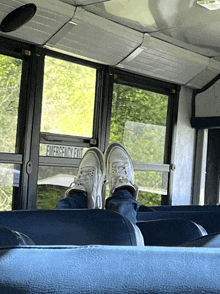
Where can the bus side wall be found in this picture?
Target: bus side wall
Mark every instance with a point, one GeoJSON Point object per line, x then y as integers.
{"type": "Point", "coordinates": [208, 102]}
{"type": "Point", "coordinates": [183, 150]}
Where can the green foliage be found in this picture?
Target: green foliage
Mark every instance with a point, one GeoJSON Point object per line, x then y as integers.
{"type": "Point", "coordinates": [138, 122]}
{"type": "Point", "coordinates": [5, 197]}
{"type": "Point", "coordinates": [48, 196]}
{"type": "Point", "coordinates": [68, 98]}
{"type": "Point", "coordinates": [10, 75]}
{"type": "Point", "coordinates": [149, 199]}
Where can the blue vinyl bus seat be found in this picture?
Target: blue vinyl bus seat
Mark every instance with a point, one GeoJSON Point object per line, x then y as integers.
{"type": "Point", "coordinates": [72, 227]}
{"type": "Point", "coordinates": [89, 227]}
{"type": "Point", "coordinates": [203, 208]}
{"type": "Point", "coordinates": [13, 238]}
{"type": "Point", "coordinates": [209, 220]}
{"type": "Point", "coordinates": [209, 241]}
{"type": "Point", "coordinates": [109, 269]}
{"type": "Point", "coordinates": [170, 232]}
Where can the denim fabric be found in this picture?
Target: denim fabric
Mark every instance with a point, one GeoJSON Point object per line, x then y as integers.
{"type": "Point", "coordinates": [124, 203]}
{"type": "Point", "coordinates": [121, 202]}
{"type": "Point", "coordinates": [74, 201]}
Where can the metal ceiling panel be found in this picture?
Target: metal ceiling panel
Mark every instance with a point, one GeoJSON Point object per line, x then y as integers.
{"type": "Point", "coordinates": [51, 15]}
{"type": "Point", "coordinates": [183, 22]}
{"type": "Point", "coordinates": [97, 39]}
{"type": "Point", "coordinates": [99, 9]}
{"type": "Point", "coordinates": [203, 78]}
{"type": "Point", "coordinates": [83, 2]}
{"type": "Point", "coordinates": [165, 61]}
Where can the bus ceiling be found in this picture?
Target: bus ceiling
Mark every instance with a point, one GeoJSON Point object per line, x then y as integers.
{"type": "Point", "coordinates": [175, 41]}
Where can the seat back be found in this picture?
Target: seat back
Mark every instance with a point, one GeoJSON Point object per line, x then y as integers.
{"type": "Point", "coordinates": [170, 232]}
{"type": "Point", "coordinates": [209, 241]}
{"type": "Point", "coordinates": [13, 238]}
{"type": "Point", "coordinates": [109, 269]}
{"type": "Point", "coordinates": [209, 220]}
{"type": "Point", "coordinates": [71, 227]}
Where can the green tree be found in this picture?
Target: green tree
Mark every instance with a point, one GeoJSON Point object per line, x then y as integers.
{"type": "Point", "coordinates": [138, 122]}
{"type": "Point", "coordinates": [138, 118]}
{"type": "Point", "coordinates": [68, 98]}
{"type": "Point", "coordinates": [10, 75]}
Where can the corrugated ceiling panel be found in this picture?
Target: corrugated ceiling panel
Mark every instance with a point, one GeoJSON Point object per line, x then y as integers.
{"type": "Point", "coordinates": [203, 78]}
{"type": "Point", "coordinates": [98, 39]}
{"type": "Point", "coordinates": [51, 15]}
{"type": "Point", "coordinates": [83, 2]}
{"type": "Point", "coordinates": [166, 61]}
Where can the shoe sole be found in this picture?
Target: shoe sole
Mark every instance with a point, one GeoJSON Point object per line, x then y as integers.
{"type": "Point", "coordinates": [100, 200]}
{"type": "Point", "coordinates": [99, 155]}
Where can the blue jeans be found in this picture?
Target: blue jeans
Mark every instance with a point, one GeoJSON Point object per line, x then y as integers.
{"type": "Point", "coordinates": [121, 202]}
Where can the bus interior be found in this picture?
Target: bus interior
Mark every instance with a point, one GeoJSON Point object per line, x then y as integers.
{"type": "Point", "coordinates": [76, 74]}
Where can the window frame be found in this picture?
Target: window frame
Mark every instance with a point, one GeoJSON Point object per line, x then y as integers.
{"type": "Point", "coordinates": [18, 50]}
{"type": "Point", "coordinates": [99, 119]}
{"type": "Point", "coordinates": [60, 139]}
{"type": "Point", "coordinates": [165, 88]}
{"type": "Point", "coordinates": [29, 115]}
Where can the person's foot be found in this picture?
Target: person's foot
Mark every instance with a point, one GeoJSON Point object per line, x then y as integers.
{"type": "Point", "coordinates": [119, 169]}
{"type": "Point", "coordinates": [90, 178]}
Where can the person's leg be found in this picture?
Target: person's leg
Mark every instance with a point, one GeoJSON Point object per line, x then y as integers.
{"type": "Point", "coordinates": [85, 192]}
{"type": "Point", "coordinates": [124, 203]}
{"type": "Point", "coordinates": [120, 175]}
{"type": "Point", "coordinates": [75, 200]}
{"type": "Point", "coordinates": [123, 192]}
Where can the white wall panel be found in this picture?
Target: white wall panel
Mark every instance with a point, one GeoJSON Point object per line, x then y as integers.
{"type": "Point", "coordinates": [183, 152]}
{"type": "Point", "coordinates": [208, 102]}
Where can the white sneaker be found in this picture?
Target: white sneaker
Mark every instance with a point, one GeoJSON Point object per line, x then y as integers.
{"type": "Point", "coordinates": [90, 178]}
{"type": "Point", "coordinates": [119, 169]}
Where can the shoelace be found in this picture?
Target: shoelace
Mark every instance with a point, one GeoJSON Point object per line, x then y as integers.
{"type": "Point", "coordinates": [119, 171]}
{"type": "Point", "coordinates": [85, 174]}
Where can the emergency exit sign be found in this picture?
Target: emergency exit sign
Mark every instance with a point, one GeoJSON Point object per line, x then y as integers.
{"type": "Point", "coordinates": [64, 151]}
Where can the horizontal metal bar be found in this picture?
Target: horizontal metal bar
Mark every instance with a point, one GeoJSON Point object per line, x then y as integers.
{"type": "Point", "coordinates": [56, 139]}
{"type": "Point", "coordinates": [58, 161]}
{"type": "Point", "coordinates": [74, 162]}
{"type": "Point", "coordinates": [10, 158]}
{"type": "Point", "coordinates": [142, 166]}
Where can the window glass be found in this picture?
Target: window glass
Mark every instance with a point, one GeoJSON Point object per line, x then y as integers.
{"type": "Point", "coordinates": [9, 178]}
{"type": "Point", "coordinates": [151, 185]}
{"type": "Point", "coordinates": [68, 98]}
{"type": "Point", "coordinates": [52, 184]}
{"type": "Point", "coordinates": [139, 122]}
{"type": "Point", "coordinates": [10, 76]}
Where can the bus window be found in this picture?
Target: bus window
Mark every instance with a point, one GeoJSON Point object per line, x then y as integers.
{"type": "Point", "coordinates": [138, 121]}
{"type": "Point", "coordinates": [52, 184]}
{"type": "Point", "coordinates": [10, 76]}
{"type": "Point", "coordinates": [66, 126]}
{"type": "Point", "coordinates": [9, 178]}
{"type": "Point", "coordinates": [68, 98]}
